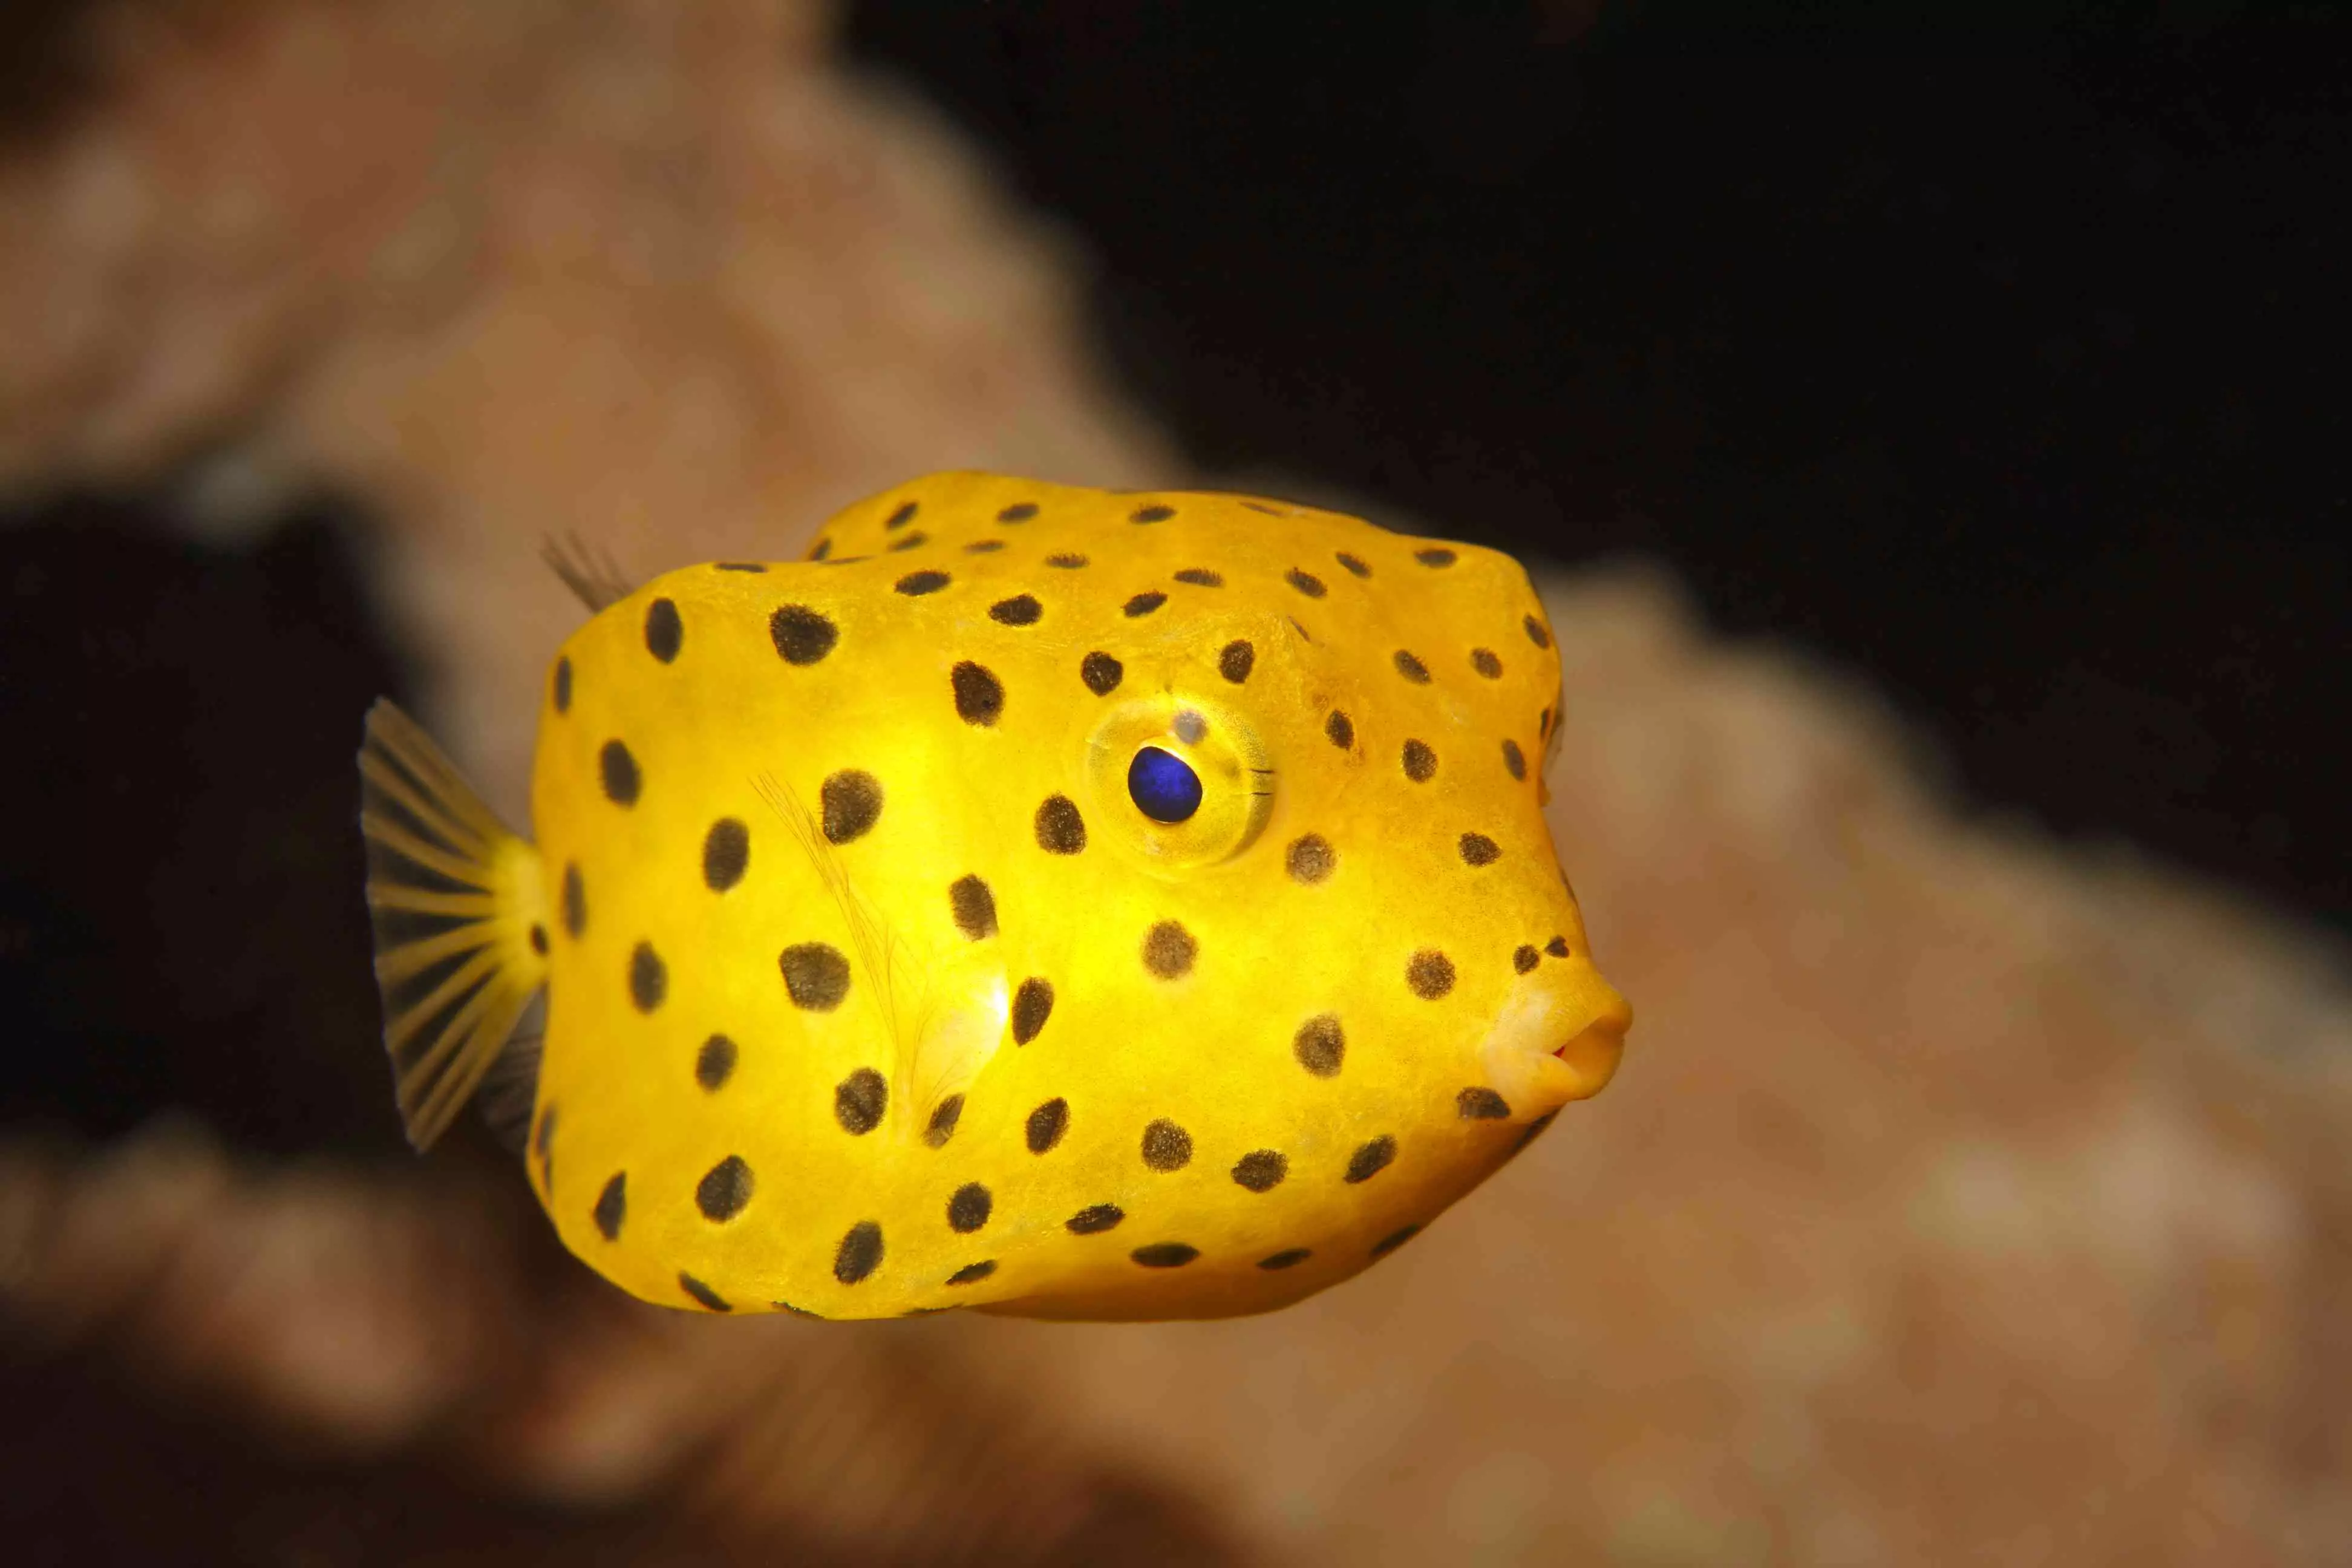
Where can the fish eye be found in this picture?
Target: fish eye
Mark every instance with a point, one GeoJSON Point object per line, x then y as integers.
{"type": "Point", "coordinates": [1163, 786]}
{"type": "Point", "coordinates": [1180, 780]}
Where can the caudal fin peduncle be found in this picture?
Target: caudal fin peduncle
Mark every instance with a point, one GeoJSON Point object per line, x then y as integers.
{"type": "Point", "coordinates": [458, 908]}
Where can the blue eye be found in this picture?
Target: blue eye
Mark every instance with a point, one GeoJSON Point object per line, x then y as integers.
{"type": "Point", "coordinates": [1163, 786]}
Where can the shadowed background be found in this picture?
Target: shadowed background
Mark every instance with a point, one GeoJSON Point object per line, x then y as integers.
{"type": "Point", "coordinates": [1910, 402]}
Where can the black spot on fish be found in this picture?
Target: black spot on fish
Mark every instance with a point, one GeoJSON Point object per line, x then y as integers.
{"type": "Point", "coordinates": [665, 632]}
{"type": "Point", "coordinates": [972, 1273]}
{"type": "Point", "coordinates": [973, 906]}
{"type": "Point", "coordinates": [1021, 610]}
{"type": "Point", "coordinates": [969, 1209]}
{"type": "Point", "coordinates": [1305, 583]}
{"type": "Point", "coordinates": [1066, 561]}
{"type": "Point", "coordinates": [1031, 1005]}
{"type": "Point", "coordinates": [1060, 830]}
{"type": "Point", "coordinates": [1019, 511]}
{"type": "Point", "coordinates": [801, 635]}
{"type": "Point", "coordinates": [714, 1064]}
{"type": "Point", "coordinates": [1480, 1105]}
{"type": "Point", "coordinates": [575, 901]}
{"type": "Point", "coordinates": [1340, 729]}
{"type": "Point", "coordinates": [1411, 667]}
{"type": "Point", "coordinates": [612, 1207]}
{"type": "Point", "coordinates": [1430, 974]}
{"type": "Point", "coordinates": [1352, 564]}
{"type": "Point", "coordinates": [622, 781]}
{"type": "Point", "coordinates": [1536, 633]}
{"type": "Point", "coordinates": [703, 1293]}
{"type": "Point", "coordinates": [1199, 577]}
{"type": "Point", "coordinates": [1372, 1159]}
{"type": "Point", "coordinates": [1524, 957]}
{"type": "Point", "coordinates": [1151, 514]}
{"type": "Point", "coordinates": [1478, 849]}
{"type": "Point", "coordinates": [1290, 1257]}
{"type": "Point", "coordinates": [1393, 1240]}
{"type": "Point", "coordinates": [979, 695]}
{"type": "Point", "coordinates": [563, 686]}
{"type": "Point", "coordinates": [1143, 603]}
{"type": "Point", "coordinates": [1311, 858]}
{"type": "Point", "coordinates": [724, 1190]}
{"type": "Point", "coordinates": [1234, 663]}
{"type": "Point", "coordinates": [1434, 556]}
{"type": "Point", "coordinates": [824, 548]}
{"type": "Point", "coordinates": [817, 976]}
{"type": "Point", "coordinates": [1484, 661]}
{"type": "Point", "coordinates": [859, 1254]}
{"type": "Point", "coordinates": [1165, 1255]}
{"type": "Point", "coordinates": [1168, 949]}
{"type": "Point", "coordinates": [1320, 1044]}
{"type": "Point", "coordinates": [903, 516]}
{"type": "Point", "coordinates": [1420, 761]}
{"type": "Point", "coordinates": [738, 567]}
{"type": "Point", "coordinates": [1515, 761]}
{"type": "Point", "coordinates": [1047, 1124]}
{"type": "Point", "coordinates": [726, 851]}
{"type": "Point", "coordinates": [1166, 1146]}
{"type": "Point", "coordinates": [539, 938]}
{"type": "Point", "coordinates": [914, 540]}
{"type": "Point", "coordinates": [915, 584]}
{"type": "Point", "coordinates": [1261, 1170]}
{"type": "Point", "coordinates": [1101, 673]}
{"type": "Point", "coordinates": [648, 977]}
{"type": "Point", "coordinates": [983, 547]}
{"type": "Point", "coordinates": [1094, 1220]}
{"type": "Point", "coordinates": [1557, 947]}
{"type": "Point", "coordinates": [944, 1117]}
{"type": "Point", "coordinates": [860, 1100]}
{"type": "Point", "coordinates": [852, 804]}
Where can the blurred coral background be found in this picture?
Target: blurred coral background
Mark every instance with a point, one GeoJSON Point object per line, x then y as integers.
{"type": "Point", "coordinates": [1969, 1194]}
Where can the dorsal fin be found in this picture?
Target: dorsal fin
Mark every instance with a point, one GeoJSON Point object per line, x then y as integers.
{"type": "Point", "coordinates": [593, 576]}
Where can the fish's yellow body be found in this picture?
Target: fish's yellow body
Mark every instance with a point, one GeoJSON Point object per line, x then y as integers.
{"type": "Point", "coordinates": [881, 979]}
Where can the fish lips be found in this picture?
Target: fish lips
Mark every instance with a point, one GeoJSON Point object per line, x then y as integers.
{"type": "Point", "coordinates": [1558, 1039]}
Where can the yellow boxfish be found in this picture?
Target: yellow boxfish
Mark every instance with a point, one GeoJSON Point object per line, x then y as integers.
{"type": "Point", "coordinates": [1048, 901]}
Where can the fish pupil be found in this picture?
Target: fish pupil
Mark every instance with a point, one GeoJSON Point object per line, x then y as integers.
{"type": "Point", "coordinates": [1163, 786]}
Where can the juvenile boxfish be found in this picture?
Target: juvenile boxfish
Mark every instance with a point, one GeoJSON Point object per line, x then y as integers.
{"type": "Point", "coordinates": [1049, 900]}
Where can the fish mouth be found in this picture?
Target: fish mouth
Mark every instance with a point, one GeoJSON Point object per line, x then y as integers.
{"type": "Point", "coordinates": [1560, 1039]}
{"type": "Point", "coordinates": [1592, 1052]}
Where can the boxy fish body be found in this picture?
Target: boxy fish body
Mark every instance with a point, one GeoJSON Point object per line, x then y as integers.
{"type": "Point", "coordinates": [1040, 899]}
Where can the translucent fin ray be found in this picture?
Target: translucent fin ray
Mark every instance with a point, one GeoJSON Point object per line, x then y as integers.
{"type": "Point", "coordinates": [594, 577]}
{"type": "Point", "coordinates": [454, 864]}
{"type": "Point", "coordinates": [397, 1031]}
{"type": "Point", "coordinates": [412, 796]}
{"type": "Point", "coordinates": [417, 901]}
{"type": "Point", "coordinates": [455, 897]}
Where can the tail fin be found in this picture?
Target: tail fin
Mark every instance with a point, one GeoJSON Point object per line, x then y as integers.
{"type": "Point", "coordinates": [459, 912]}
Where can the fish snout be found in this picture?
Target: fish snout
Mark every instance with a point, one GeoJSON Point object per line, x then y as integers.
{"type": "Point", "coordinates": [1560, 1039]}
{"type": "Point", "coordinates": [1593, 1050]}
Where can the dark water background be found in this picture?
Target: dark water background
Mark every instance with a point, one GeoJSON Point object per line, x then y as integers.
{"type": "Point", "coordinates": [2001, 365]}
